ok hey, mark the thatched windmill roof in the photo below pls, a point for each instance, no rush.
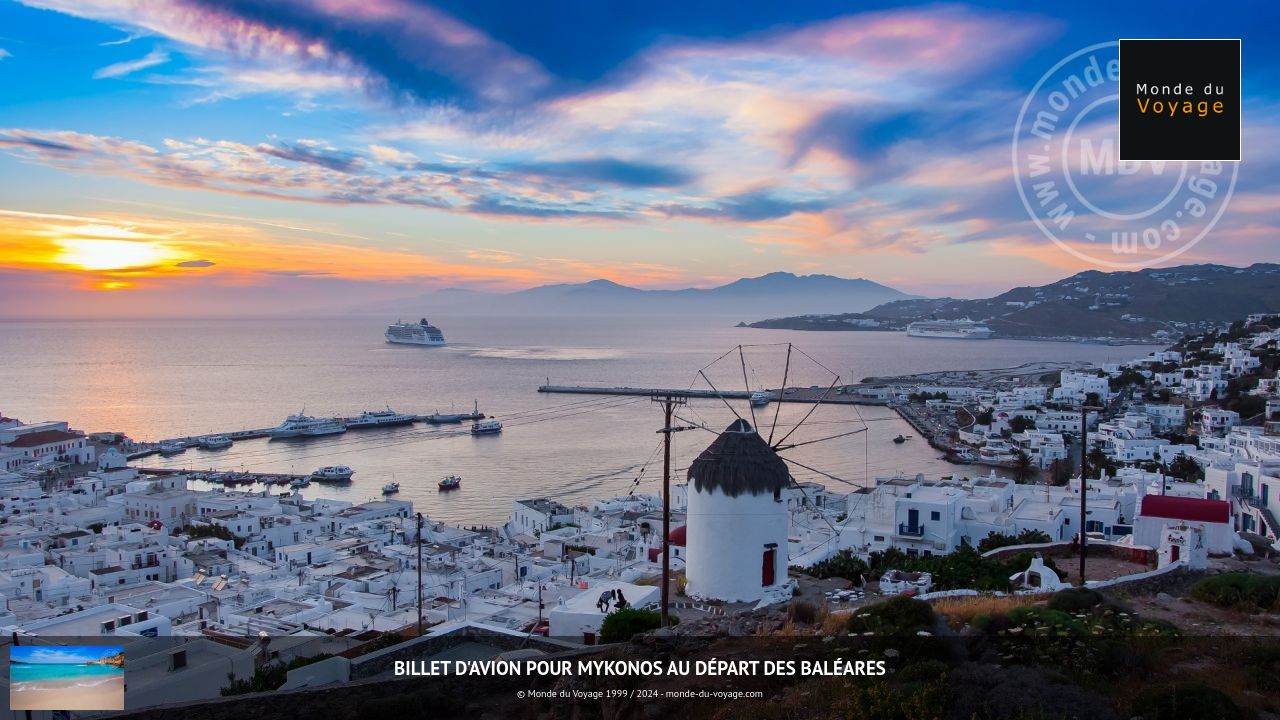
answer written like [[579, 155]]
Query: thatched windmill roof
[[739, 462]]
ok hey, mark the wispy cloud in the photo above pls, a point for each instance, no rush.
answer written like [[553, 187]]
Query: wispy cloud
[[4, 54], [807, 135], [122, 41], [128, 67]]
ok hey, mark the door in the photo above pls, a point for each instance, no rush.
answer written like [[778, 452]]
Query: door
[[766, 568], [913, 519], [1175, 552]]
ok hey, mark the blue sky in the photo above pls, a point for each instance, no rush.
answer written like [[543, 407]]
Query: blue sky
[[299, 148], [71, 654]]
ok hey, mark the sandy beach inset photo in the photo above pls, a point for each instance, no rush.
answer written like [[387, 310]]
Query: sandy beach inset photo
[[75, 677]]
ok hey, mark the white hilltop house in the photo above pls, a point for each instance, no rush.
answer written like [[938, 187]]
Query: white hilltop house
[[737, 522]]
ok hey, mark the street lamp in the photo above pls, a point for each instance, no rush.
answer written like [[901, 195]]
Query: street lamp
[[1084, 480]]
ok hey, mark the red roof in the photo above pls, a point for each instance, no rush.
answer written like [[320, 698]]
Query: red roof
[[1182, 508], [43, 437], [677, 536]]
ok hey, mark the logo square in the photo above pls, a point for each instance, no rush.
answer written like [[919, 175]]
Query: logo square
[[1180, 100]]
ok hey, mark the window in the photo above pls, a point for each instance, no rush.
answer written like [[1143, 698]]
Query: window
[[935, 515]]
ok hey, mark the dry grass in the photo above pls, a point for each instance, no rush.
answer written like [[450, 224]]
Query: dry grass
[[835, 621], [961, 611]]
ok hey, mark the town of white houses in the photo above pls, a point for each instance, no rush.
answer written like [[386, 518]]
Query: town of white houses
[[1181, 453]]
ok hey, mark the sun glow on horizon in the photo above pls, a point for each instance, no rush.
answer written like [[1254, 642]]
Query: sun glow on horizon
[[101, 255]]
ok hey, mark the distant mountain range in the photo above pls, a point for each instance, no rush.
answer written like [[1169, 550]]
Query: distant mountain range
[[775, 293], [1152, 304]]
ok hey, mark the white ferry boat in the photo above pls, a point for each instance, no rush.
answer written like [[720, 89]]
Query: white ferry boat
[[333, 473], [328, 426], [761, 397], [379, 418], [954, 329], [419, 333], [215, 442], [486, 427], [300, 425]]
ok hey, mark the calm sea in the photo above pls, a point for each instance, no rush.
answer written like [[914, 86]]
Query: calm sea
[[157, 379], [61, 674]]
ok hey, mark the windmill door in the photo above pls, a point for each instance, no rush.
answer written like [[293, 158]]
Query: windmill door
[[767, 568]]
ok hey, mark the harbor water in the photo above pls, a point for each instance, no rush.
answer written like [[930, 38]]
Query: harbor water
[[160, 379]]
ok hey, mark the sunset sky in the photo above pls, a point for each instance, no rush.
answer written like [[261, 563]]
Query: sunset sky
[[240, 156]]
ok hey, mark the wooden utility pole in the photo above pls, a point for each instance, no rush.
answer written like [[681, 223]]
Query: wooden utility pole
[[1084, 480], [669, 403], [419, 541]]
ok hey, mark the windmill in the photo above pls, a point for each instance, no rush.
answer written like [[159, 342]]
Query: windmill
[[780, 437], [735, 494]]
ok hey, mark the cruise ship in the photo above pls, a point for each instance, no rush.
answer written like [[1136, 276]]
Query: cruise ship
[[419, 333], [955, 329]]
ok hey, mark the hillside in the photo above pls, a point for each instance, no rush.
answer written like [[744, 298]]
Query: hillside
[[1151, 304], [778, 292]]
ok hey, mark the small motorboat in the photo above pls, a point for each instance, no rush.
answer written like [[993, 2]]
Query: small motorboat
[[761, 397], [899, 440], [453, 482], [391, 488], [486, 427], [299, 482], [171, 447], [333, 473], [215, 442]]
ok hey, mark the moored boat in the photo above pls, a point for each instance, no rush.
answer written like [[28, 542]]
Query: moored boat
[[438, 418], [453, 482], [333, 473], [215, 442], [378, 418], [391, 488], [293, 426], [171, 447], [330, 426]]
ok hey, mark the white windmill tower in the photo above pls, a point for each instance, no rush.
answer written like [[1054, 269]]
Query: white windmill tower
[[736, 537], [738, 519]]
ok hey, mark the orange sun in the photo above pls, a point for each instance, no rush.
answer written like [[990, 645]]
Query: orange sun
[[113, 254]]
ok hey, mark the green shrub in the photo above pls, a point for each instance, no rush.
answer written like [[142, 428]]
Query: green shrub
[[1186, 701], [385, 640], [270, 676], [1075, 600], [995, 540], [898, 616], [965, 568], [843, 564], [1239, 590], [622, 625], [1033, 616]]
